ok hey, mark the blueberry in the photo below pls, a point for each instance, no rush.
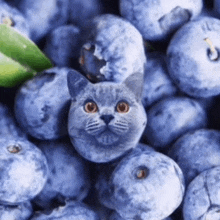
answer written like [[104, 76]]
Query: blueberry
[[63, 45], [106, 119], [193, 57], [68, 175], [113, 50], [23, 170], [43, 16], [22, 211], [82, 11], [202, 196], [155, 19], [197, 151], [145, 184], [157, 83], [13, 17], [172, 117], [42, 104], [71, 211]]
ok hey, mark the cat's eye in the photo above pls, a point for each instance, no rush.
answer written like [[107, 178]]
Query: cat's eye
[[91, 107], [122, 107]]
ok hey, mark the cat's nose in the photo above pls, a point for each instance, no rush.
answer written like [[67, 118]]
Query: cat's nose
[[107, 118]]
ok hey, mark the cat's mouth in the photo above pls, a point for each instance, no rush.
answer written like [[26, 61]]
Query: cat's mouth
[[107, 138]]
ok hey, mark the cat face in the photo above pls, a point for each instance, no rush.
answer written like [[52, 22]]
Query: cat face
[[105, 120]]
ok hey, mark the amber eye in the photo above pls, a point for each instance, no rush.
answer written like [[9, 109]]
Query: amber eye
[[122, 107], [91, 107]]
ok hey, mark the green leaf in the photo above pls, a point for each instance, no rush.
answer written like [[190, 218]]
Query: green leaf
[[20, 58], [12, 73]]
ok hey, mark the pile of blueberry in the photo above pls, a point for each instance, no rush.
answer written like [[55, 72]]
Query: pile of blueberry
[[126, 124]]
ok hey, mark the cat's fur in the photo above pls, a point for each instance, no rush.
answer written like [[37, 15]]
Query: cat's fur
[[92, 137]]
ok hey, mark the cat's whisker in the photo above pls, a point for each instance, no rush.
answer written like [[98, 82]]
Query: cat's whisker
[[95, 129], [119, 130], [93, 125]]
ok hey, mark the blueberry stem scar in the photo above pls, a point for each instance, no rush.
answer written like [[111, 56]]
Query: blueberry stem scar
[[214, 52]]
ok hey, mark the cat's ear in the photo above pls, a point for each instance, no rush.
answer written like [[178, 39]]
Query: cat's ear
[[135, 83], [76, 83]]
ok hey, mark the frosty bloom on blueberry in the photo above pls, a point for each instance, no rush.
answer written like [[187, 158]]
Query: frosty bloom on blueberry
[[42, 104], [43, 16], [156, 20], [196, 151], [193, 57], [23, 170], [68, 176], [144, 184], [14, 18], [114, 49], [201, 201], [106, 119]]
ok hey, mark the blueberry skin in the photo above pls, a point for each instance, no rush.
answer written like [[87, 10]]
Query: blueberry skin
[[196, 151], [68, 174], [191, 64], [172, 117], [145, 184], [8, 125], [63, 45], [43, 16], [19, 23], [106, 133], [82, 11], [113, 50], [104, 174], [22, 211], [42, 104], [157, 82], [23, 170], [201, 201], [156, 20], [71, 211]]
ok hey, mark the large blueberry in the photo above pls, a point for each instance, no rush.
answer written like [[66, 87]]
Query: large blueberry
[[63, 45], [197, 151], [172, 117], [145, 184], [23, 170], [157, 19], [13, 17], [22, 211], [113, 50], [72, 210], [68, 174], [193, 57], [42, 104], [201, 201], [157, 83], [43, 16]]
